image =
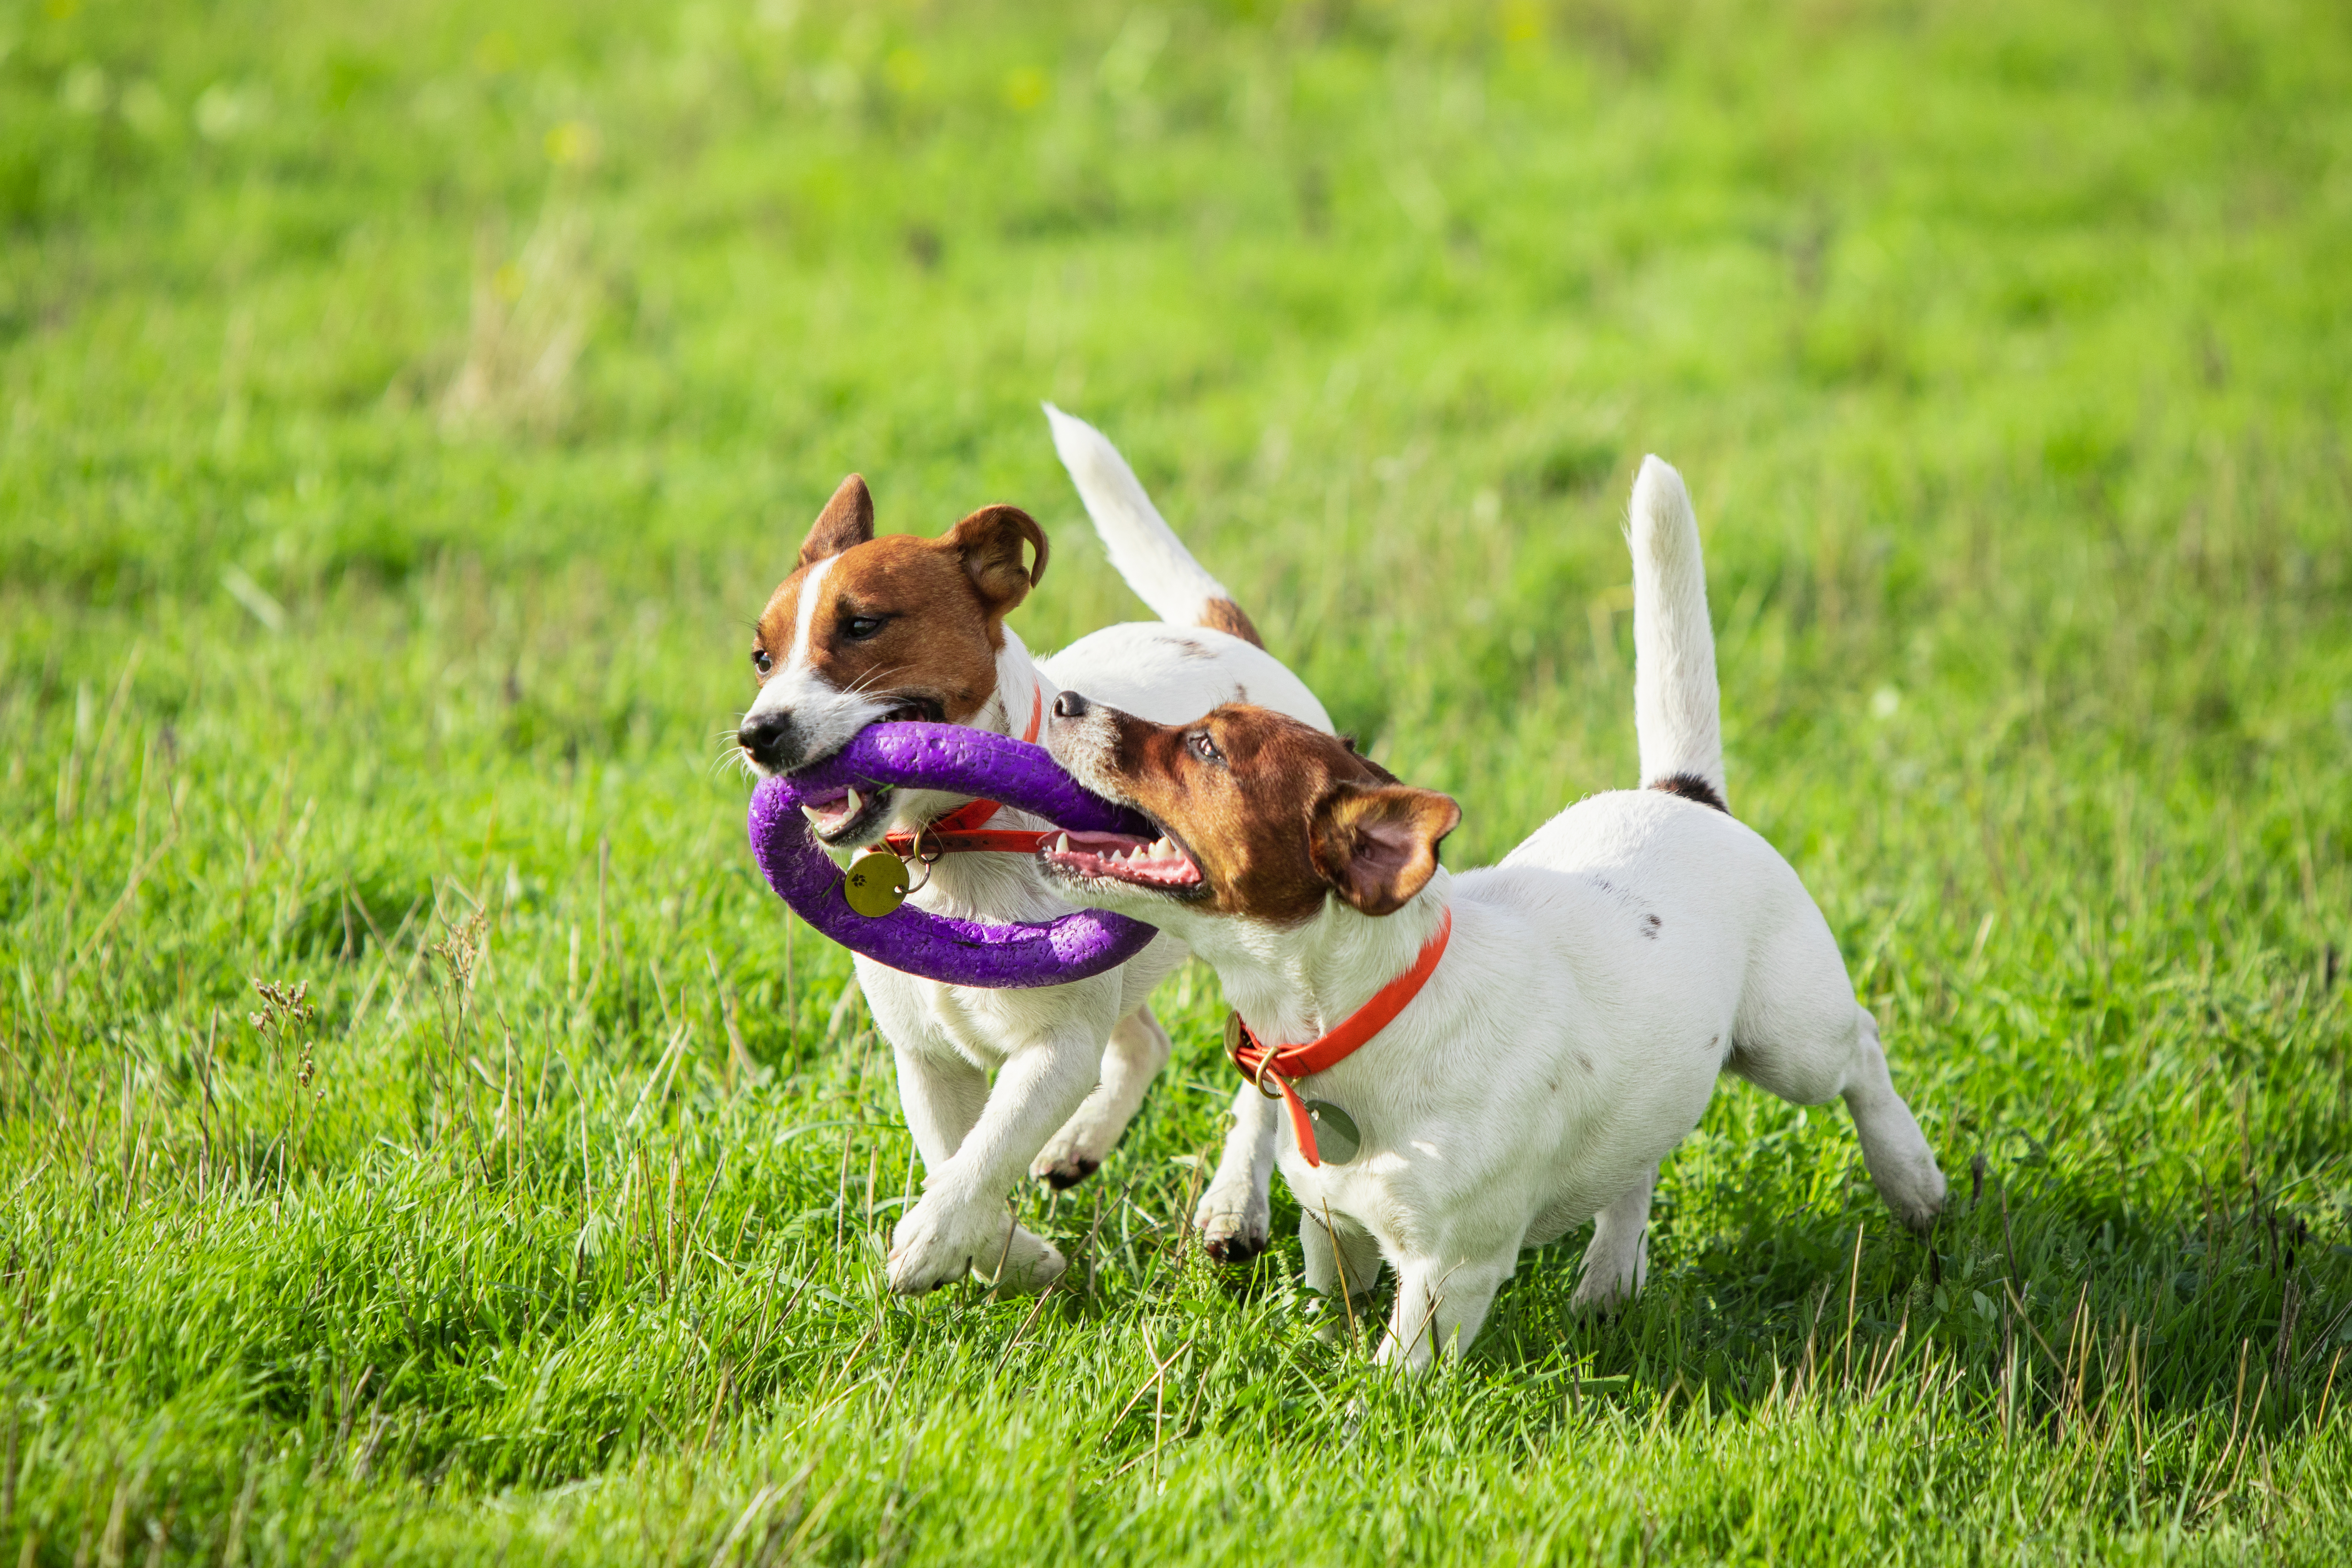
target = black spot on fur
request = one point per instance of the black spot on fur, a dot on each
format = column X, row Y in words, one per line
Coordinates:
column 1650, row 926
column 1624, row 899
column 1690, row 786
column 1189, row 647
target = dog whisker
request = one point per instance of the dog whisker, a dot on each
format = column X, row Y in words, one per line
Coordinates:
column 865, row 683
column 729, row 757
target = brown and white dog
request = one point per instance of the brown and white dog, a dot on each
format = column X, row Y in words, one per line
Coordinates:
column 866, row 629
column 1562, row 1018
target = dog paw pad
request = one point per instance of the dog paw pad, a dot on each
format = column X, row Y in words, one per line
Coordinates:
column 1235, row 1245
column 1063, row 1174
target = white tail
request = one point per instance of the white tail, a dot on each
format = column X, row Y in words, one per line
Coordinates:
column 1677, row 706
column 1143, row 548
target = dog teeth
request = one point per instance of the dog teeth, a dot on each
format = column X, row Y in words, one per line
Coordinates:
column 810, row 813
column 857, row 803
column 1161, row 850
column 1061, row 845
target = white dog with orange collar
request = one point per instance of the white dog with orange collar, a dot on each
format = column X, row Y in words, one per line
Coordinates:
column 1513, row 1050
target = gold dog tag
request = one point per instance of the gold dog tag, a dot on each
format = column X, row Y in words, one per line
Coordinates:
column 1336, row 1137
column 876, row 882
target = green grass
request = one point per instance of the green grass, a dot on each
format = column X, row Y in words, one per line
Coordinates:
column 403, row 410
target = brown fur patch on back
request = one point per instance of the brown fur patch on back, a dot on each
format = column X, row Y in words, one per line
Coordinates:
column 1225, row 616
column 1690, row 786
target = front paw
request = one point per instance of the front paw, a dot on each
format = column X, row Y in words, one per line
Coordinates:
column 1031, row 1263
column 938, row 1243
column 1065, row 1163
column 1234, row 1225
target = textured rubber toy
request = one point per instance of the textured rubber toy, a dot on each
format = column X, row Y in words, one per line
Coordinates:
column 961, row 952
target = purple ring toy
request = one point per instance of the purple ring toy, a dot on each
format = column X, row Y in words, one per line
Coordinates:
column 958, row 952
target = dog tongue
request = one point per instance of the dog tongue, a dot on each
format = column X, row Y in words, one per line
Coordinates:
column 833, row 809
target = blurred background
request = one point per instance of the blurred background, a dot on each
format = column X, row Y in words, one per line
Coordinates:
column 1958, row 318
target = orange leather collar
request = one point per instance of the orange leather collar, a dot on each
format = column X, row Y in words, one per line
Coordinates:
column 1285, row 1063
column 961, row 829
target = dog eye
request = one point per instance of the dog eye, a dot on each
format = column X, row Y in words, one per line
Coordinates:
column 1205, row 747
column 760, row 661
column 857, row 628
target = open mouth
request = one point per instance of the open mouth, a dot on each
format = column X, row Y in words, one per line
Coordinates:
column 847, row 813
column 1156, row 863
column 916, row 711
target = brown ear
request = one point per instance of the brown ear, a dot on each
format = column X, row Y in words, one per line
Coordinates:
column 1377, row 844
column 847, row 518
column 990, row 542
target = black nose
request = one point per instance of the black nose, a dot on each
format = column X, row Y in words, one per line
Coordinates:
column 1070, row 705
column 771, row 740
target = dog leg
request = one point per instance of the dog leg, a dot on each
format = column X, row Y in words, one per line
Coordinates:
column 1139, row 1049
column 1894, row 1150
column 1439, row 1309
column 1618, row 1260
column 1342, row 1257
column 942, row 1100
column 1235, row 1216
column 1801, row 1036
column 962, row 1224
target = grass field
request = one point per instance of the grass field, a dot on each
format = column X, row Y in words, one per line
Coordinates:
column 405, row 409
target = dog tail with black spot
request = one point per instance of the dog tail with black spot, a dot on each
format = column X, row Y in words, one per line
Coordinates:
column 1142, row 546
column 1678, row 710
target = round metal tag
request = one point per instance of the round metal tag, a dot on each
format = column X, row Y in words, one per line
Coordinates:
column 876, row 883
column 1336, row 1137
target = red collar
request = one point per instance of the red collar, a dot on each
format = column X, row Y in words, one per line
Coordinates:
column 1285, row 1063
column 960, row 828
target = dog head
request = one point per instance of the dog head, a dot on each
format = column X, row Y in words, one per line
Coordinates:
column 1260, row 816
column 869, row 629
